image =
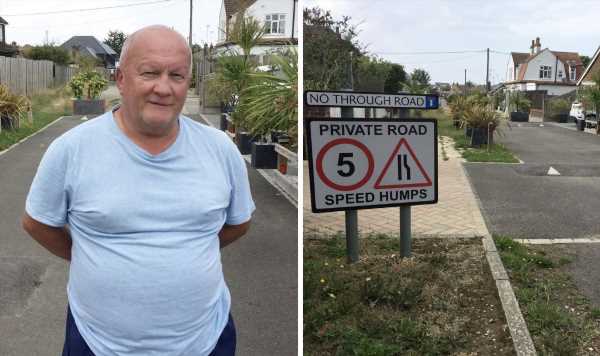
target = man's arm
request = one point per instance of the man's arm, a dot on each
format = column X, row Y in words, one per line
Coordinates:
column 57, row 240
column 230, row 233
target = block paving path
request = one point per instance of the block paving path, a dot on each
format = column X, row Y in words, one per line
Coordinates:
column 456, row 214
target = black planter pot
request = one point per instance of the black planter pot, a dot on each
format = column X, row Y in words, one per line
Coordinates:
column 244, row 142
column 562, row 118
column 580, row 125
column 88, row 107
column 468, row 131
column 519, row 116
column 480, row 137
column 263, row 156
column 280, row 137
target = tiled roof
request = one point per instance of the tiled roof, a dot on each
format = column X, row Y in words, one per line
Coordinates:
column 91, row 42
column 568, row 56
column 233, row 6
column 519, row 58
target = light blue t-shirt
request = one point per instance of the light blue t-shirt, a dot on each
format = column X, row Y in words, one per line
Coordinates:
column 145, row 276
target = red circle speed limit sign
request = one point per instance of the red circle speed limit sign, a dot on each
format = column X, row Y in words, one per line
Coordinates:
column 345, row 164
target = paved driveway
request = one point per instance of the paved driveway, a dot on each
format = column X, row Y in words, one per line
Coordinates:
column 524, row 201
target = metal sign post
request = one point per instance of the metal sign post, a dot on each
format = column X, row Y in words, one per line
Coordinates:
column 371, row 163
column 351, row 215
column 405, row 220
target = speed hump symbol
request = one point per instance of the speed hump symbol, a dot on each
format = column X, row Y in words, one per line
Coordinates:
column 336, row 164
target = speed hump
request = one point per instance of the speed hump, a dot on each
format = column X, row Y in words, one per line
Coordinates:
column 361, row 164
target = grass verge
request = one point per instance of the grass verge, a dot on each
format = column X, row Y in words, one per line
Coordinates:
column 560, row 319
column 442, row 301
column 46, row 107
column 497, row 152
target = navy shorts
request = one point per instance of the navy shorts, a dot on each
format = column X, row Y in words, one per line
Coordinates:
column 76, row 346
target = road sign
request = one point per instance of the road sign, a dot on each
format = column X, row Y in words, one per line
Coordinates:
column 361, row 164
column 370, row 100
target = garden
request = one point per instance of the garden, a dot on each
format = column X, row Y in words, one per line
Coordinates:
column 260, row 103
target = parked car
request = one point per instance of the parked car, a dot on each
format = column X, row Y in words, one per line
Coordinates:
column 577, row 111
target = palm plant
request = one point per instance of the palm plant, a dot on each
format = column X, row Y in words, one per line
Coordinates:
column 483, row 118
column 12, row 107
column 234, row 69
column 271, row 103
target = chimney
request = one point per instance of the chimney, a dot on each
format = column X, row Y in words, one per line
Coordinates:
column 532, row 46
column 538, row 45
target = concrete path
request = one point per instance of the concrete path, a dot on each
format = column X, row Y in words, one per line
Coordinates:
column 455, row 215
column 261, row 269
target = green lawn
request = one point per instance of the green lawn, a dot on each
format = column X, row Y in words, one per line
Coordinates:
column 497, row 152
column 441, row 301
column 46, row 107
column 560, row 319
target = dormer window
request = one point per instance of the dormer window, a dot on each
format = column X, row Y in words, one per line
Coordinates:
column 572, row 72
column 275, row 24
column 545, row 72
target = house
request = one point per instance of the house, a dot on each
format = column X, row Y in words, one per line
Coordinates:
column 543, row 71
column 280, row 18
column 592, row 68
column 89, row 46
column 6, row 50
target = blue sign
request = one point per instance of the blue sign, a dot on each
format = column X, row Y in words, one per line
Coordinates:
column 432, row 102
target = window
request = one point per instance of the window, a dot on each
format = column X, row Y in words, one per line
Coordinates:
column 560, row 73
column 275, row 24
column 545, row 72
column 572, row 72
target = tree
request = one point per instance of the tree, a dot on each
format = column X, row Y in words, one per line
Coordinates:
column 370, row 74
column 115, row 40
column 330, row 46
column 49, row 52
column 591, row 96
column 395, row 79
column 585, row 60
column 421, row 77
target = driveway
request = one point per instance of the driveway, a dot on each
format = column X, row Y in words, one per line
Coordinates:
column 523, row 201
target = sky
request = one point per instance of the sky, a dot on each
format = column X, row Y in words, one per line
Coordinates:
column 25, row 28
column 391, row 28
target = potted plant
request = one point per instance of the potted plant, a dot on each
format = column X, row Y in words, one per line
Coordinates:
column 87, row 86
column 520, row 107
column 559, row 110
column 484, row 122
column 457, row 104
column 271, row 105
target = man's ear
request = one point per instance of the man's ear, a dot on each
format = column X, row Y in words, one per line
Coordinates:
column 119, row 78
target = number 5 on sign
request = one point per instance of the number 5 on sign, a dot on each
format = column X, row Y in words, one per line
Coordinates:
column 337, row 161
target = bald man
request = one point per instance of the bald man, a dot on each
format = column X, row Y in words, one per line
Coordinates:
column 140, row 200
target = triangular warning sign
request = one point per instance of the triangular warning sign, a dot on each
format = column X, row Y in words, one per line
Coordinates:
column 403, row 170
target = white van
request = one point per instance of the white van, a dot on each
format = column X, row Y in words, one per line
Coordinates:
column 577, row 111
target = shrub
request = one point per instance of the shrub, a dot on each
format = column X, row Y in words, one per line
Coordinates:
column 90, row 82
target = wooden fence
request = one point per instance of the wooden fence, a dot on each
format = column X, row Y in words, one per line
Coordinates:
column 28, row 77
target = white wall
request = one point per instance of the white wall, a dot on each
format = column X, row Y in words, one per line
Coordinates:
column 263, row 7
column 222, row 23
column 556, row 89
column 545, row 58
